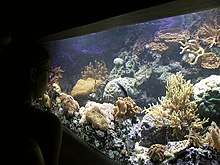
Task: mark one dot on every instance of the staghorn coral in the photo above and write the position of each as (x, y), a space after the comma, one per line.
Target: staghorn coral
(176, 109)
(125, 108)
(196, 138)
(193, 50)
(213, 136)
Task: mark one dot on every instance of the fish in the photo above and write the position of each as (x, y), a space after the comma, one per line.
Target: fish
(123, 89)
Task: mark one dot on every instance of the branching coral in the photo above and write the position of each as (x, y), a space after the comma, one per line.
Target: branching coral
(176, 108)
(98, 71)
(125, 108)
(193, 49)
(209, 33)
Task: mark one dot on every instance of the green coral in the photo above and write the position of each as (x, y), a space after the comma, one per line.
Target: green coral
(209, 106)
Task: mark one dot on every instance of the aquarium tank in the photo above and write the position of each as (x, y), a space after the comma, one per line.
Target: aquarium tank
(144, 93)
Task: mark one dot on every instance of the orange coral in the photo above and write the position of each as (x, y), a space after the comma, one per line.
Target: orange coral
(125, 108)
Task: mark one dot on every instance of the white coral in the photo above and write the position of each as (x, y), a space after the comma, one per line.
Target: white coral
(105, 109)
(210, 83)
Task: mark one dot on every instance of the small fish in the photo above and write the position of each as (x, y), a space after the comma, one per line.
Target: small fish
(123, 89)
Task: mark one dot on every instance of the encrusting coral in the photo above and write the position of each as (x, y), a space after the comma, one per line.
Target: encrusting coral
(176, 108)
(84, 87)
(126, 108)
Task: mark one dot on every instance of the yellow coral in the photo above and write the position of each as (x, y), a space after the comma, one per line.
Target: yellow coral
(96, 119)
(84, 87)
(125, 108)
(213, 136)
(192, 47)
(179, 109)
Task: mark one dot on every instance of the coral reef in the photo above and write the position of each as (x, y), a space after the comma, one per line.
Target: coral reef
(176, 109)
(112, 91)
(199, 48)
